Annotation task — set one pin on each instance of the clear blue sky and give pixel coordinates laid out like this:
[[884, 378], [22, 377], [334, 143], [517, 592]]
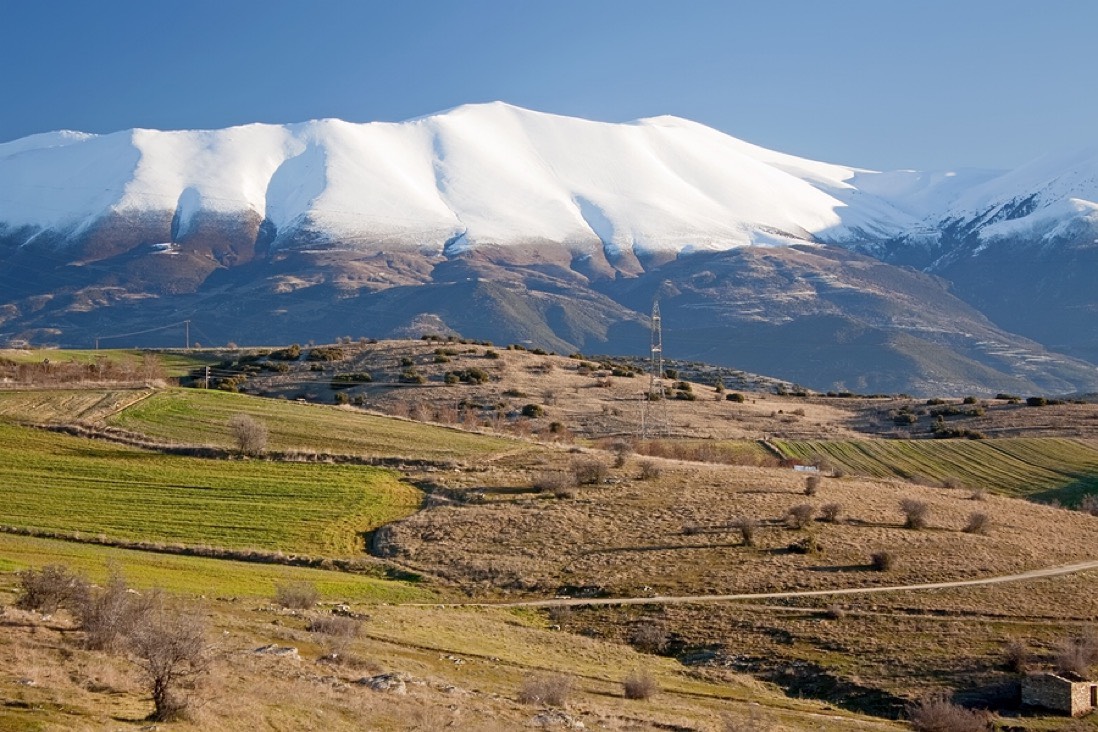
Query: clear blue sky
[[875, 83]]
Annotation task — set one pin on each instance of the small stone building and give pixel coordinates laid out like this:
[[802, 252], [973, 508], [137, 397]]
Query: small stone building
[[1049, 691]]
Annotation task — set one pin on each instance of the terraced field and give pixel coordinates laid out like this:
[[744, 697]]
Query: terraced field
[[199, 416], [42, 406], [197, 575], [1045, 468], [60, 483]]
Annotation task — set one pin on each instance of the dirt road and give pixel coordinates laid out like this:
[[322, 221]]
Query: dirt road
[[697, 599]]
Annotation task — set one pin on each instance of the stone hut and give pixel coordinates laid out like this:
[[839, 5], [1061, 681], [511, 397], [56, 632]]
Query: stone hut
[[1049, 691]]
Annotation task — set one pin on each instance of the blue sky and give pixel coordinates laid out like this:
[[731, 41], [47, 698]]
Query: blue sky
[[882, 84]]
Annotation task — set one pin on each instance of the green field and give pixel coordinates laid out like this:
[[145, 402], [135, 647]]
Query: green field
[[176, 363], [1045, 468], [61, 483], [197, 575], [197, 416]]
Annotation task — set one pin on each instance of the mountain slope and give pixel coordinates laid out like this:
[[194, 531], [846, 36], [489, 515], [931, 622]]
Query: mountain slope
[[513, 225]]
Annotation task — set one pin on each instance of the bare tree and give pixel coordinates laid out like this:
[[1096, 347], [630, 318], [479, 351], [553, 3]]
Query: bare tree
[[916, 513], [250, 434], [169, 644]]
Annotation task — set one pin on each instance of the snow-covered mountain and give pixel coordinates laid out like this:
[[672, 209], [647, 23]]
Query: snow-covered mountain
[[89, 223]]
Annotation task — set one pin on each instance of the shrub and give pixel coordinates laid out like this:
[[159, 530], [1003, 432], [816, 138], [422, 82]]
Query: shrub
[[1089, 504], [557, 482], [735, 397], [490, 354], [1036, 401], [747, 527], [978, 523], [978, 495], [830, 512], [882, 561], [969, 400], [649, 470], [109, 615], [589, 471], [250, 434], [916, 513], [533, 411], [805, 545], [621, 450], [335, 625], [936, 713], [811, 485], [1076, 656], [639, 685], [799, 516], [51, 588], [835, 612], [1017, 656], [296, 595], [649, 636], [169, 644], [549, 689]]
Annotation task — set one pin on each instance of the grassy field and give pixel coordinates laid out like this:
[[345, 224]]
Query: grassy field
[[1048, 468], [199, 416], [198, 575], [62, 483], [176, 363]]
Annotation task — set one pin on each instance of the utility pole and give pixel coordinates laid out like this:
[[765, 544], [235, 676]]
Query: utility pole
[[207, 377], [654, 411], [187, 330]]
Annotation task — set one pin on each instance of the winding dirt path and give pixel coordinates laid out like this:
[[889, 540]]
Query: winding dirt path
[[700, 599]]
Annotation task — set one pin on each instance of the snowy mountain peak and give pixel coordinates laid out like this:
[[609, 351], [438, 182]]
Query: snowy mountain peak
[[495, 173]]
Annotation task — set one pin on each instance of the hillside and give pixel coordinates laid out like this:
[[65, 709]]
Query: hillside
[[499, 223]]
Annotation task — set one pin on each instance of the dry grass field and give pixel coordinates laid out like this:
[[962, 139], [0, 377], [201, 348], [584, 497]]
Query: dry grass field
[[537, 485]]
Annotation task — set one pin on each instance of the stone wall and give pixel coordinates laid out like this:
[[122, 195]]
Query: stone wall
[[1058, 694]]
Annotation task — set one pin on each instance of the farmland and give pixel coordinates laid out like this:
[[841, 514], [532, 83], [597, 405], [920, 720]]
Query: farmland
[[67, 484], [199, 416], [1047, 468]]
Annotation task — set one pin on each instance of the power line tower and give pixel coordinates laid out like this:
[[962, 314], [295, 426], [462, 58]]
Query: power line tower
[[653, 419]]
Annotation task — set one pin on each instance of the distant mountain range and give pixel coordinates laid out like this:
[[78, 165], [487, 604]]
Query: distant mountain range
[[503, 223]]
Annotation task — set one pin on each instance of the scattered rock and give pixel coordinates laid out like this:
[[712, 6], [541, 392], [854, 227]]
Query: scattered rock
[[27, 682], [275, 650], [456, 660], [557, 718], [388, 683]]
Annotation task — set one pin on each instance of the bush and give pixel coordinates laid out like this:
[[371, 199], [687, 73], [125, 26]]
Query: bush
[[649, 637], [549, 689], [811, 485], [557, 482], [621, 450], [735, 397], [1017, 656], [1089, 504], [589, 471], [835, 612], [1076, 656], [490, 354], [649, 470], [109, 615], [335, 625], [747, 527], [936, 713], [169, 644], [978, 495], [296, 595], [805, 545], [639, 685], [882, 561], [830, 512], [916, 513], [755, 720], [250, 434], [51, 588], [978, 523], [800, 516], [533, 411], [1036, 401]]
